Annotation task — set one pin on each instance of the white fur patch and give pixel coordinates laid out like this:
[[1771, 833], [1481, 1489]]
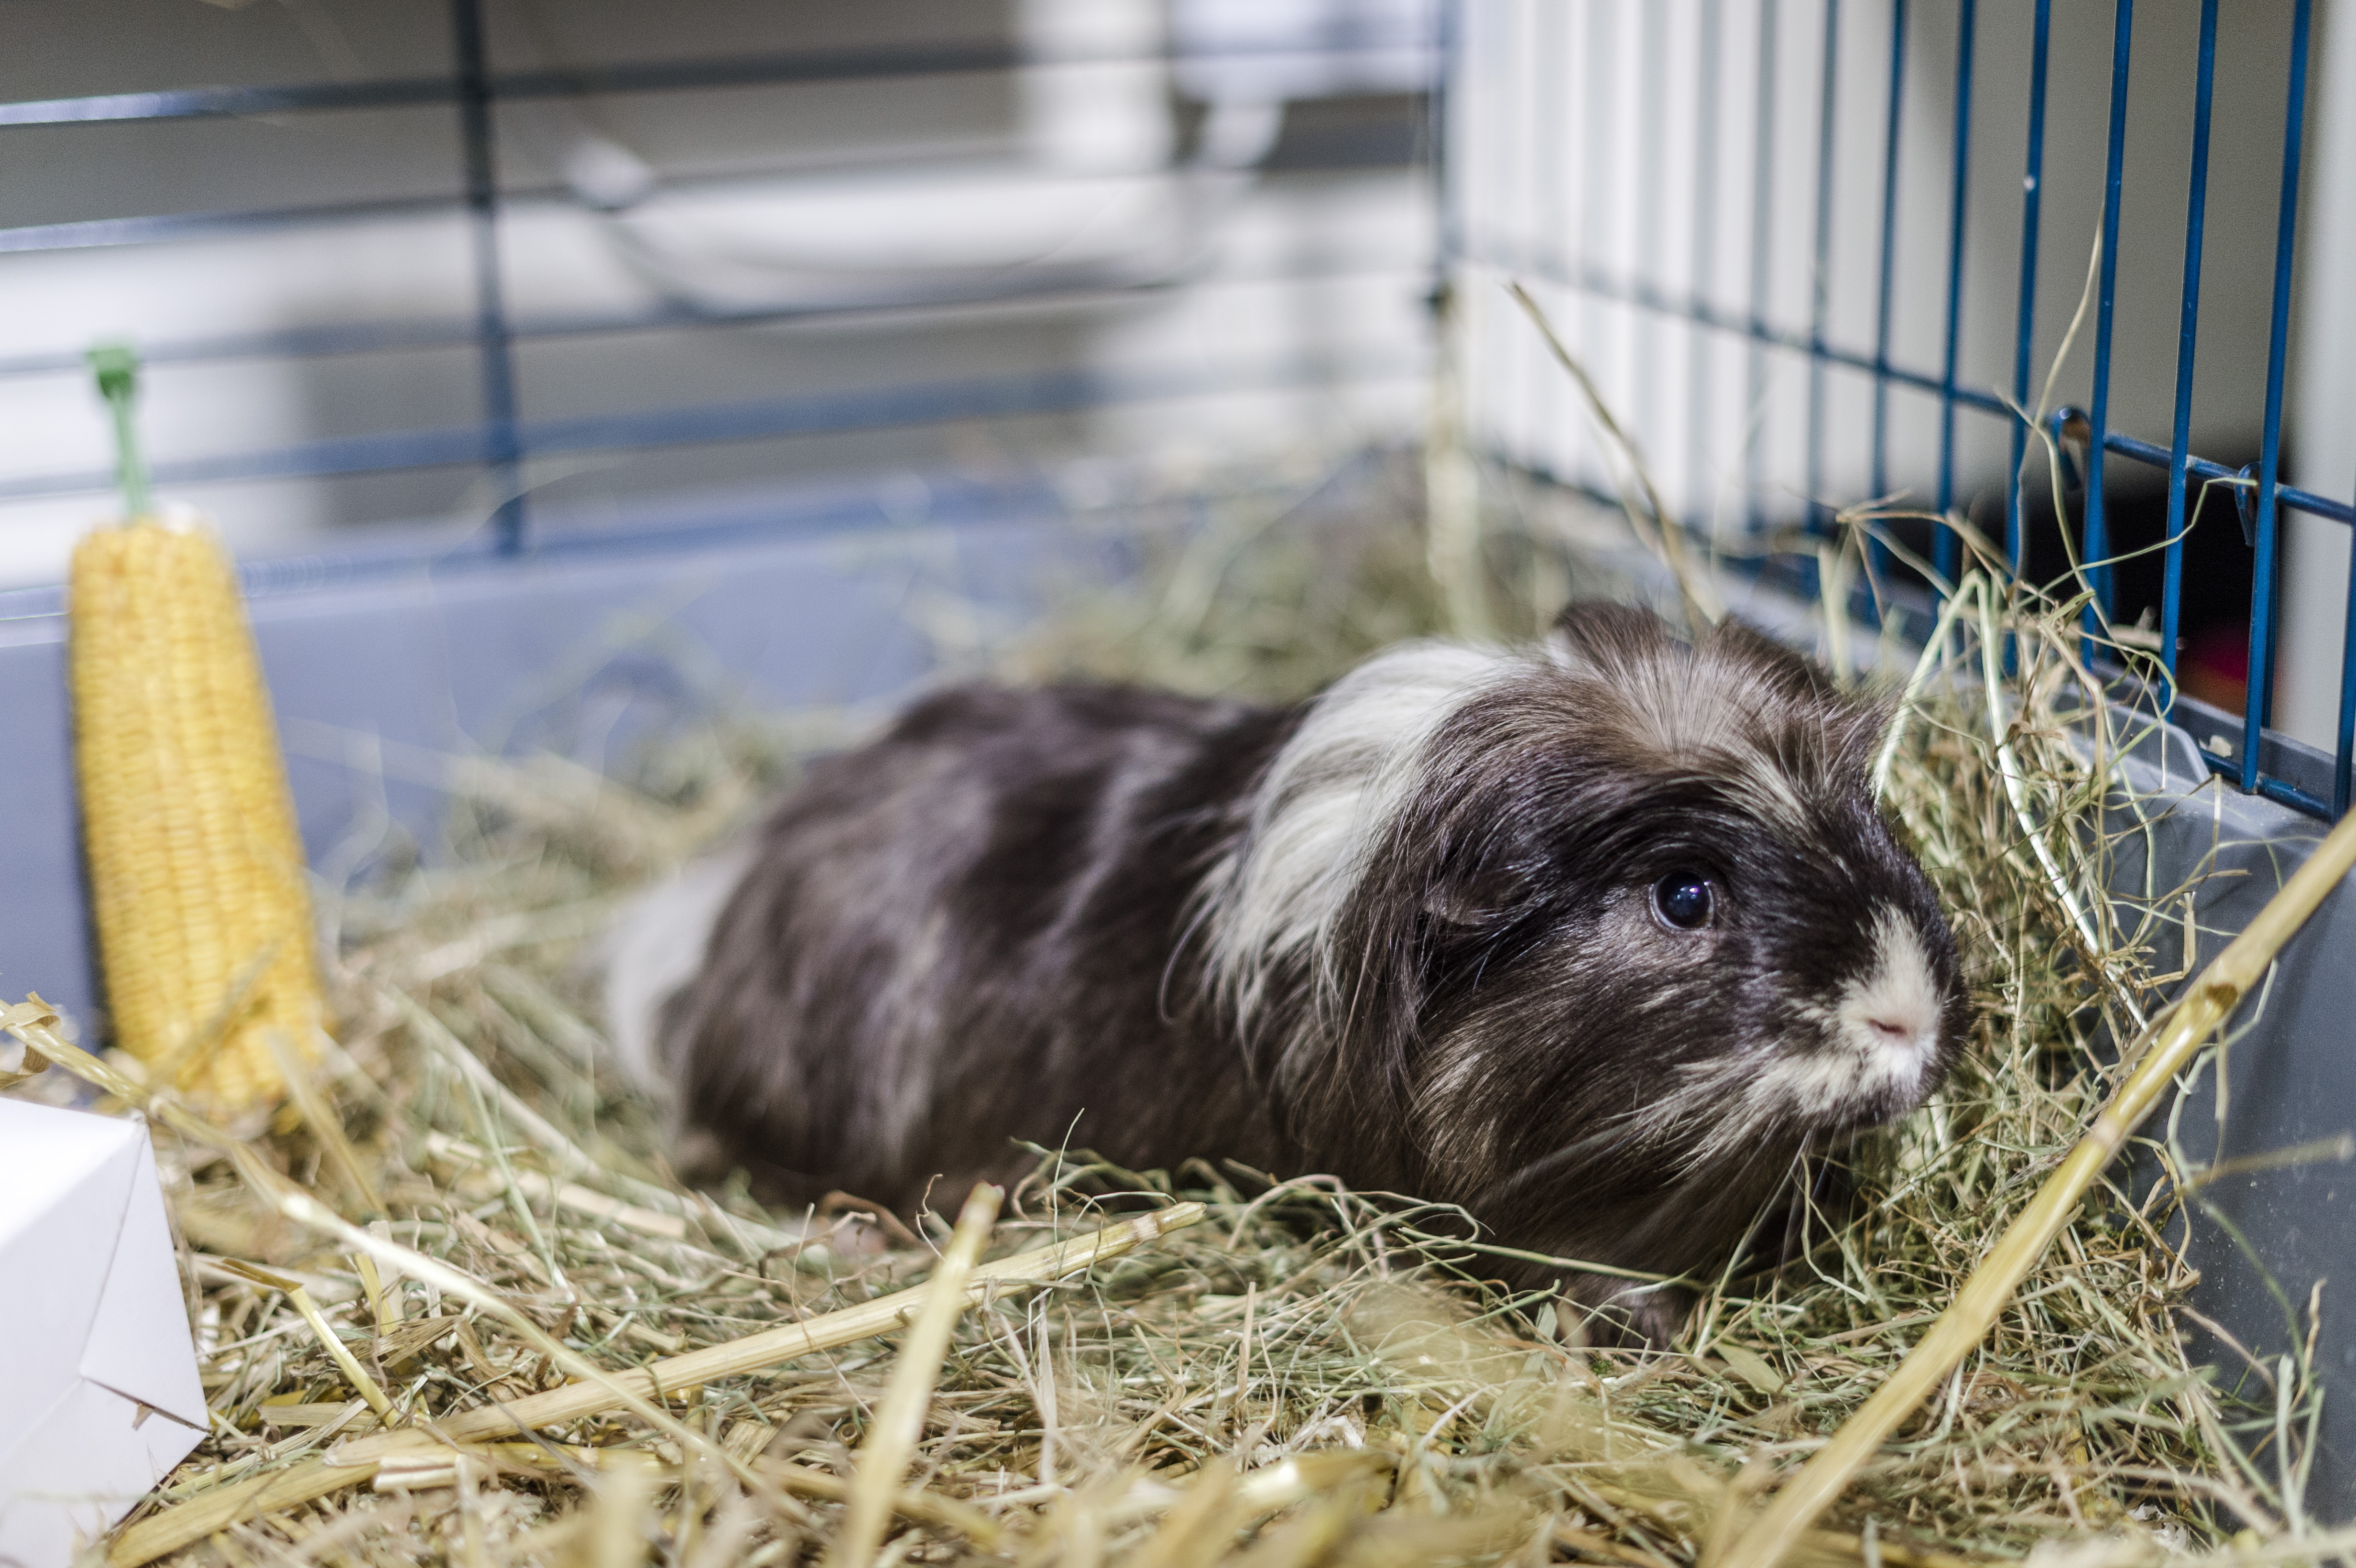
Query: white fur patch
[[654, 949], [1327, 798], [1884, 1034], [1892, 1015]]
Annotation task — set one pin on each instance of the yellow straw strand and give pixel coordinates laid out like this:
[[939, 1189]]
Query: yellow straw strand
[[899, 1421]]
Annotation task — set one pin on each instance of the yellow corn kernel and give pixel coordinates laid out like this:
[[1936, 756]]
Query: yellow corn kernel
[[196, 868]]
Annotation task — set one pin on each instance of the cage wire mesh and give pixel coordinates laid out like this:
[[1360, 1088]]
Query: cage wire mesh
[[1742, 231]]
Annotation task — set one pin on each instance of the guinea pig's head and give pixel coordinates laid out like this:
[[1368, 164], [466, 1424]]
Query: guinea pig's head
[[1613, 923]]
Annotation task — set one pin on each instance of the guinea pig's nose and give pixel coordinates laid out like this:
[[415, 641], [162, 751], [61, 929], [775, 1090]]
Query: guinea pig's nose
[[1893, 1031]]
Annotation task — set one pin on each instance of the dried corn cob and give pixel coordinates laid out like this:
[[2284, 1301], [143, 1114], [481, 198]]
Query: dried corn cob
[[196, 868]]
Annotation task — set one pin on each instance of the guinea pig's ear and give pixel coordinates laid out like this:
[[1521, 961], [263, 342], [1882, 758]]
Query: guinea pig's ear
[[1598, 635], [1858, 735], [1473, 894]]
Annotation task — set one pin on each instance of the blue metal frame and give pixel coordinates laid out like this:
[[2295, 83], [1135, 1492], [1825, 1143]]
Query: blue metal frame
[[2032, 202], [1058, 391], [2097, 527], [2087, 438], [2262, 600], [2187, 345], [1947, 549], [501, 450]]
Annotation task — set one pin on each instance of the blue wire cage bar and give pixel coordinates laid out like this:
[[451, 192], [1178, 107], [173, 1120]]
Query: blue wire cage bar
[[2088, 437], [2032, 208]]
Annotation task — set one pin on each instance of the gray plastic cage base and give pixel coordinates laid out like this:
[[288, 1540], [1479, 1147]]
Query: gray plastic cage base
[[2264, 1236], [375, 682]]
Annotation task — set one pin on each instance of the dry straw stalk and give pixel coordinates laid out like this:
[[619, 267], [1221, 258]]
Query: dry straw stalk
[[901, 1420], [354, 1463]]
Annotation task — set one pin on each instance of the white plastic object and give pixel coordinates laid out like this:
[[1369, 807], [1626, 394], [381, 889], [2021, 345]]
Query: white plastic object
[[98, 1396]]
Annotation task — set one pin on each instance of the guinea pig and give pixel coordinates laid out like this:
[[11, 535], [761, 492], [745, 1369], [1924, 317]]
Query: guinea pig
[[1602, 940]]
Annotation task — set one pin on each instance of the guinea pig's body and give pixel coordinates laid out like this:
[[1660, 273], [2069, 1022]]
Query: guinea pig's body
[[1597, 940]]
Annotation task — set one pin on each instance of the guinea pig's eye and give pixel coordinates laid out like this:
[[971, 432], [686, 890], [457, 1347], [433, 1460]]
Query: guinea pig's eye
[[1684, 901]]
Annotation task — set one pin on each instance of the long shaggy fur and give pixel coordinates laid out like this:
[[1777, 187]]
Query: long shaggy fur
[[1406, 933]]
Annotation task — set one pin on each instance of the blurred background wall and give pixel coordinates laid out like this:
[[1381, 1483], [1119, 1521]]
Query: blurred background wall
[[1074, 242], [1213, 210]]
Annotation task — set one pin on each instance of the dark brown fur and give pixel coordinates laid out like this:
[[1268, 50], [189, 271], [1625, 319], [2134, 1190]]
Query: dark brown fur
[[970, 917], [1039, 915]]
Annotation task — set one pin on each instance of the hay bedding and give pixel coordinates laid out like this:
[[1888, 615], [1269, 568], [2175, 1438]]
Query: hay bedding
[[1310, 1375]]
